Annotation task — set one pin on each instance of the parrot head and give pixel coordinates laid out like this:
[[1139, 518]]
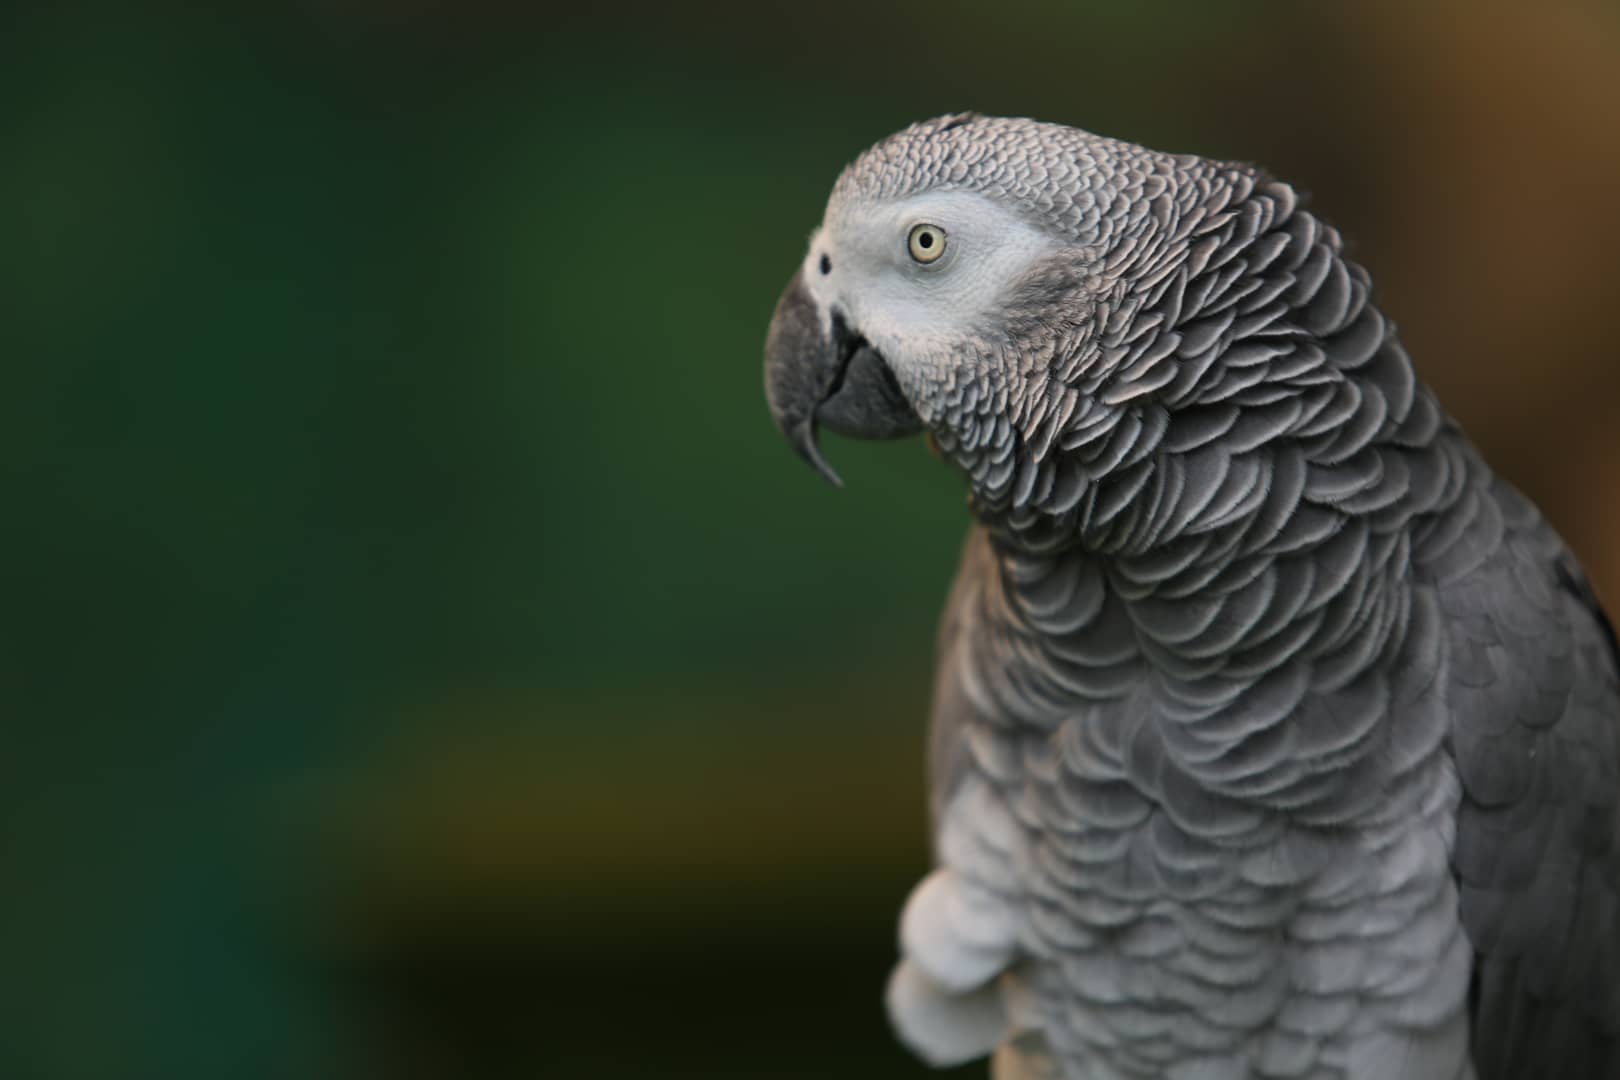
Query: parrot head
[[897, 311], [994, 282]]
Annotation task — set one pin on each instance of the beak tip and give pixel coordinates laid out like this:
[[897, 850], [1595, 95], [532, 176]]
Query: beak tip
[[809, 448]]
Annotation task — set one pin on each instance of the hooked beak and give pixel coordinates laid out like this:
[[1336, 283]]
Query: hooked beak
[[834, 379]]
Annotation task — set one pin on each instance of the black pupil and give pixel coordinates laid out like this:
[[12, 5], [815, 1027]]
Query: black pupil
[[826, 265], [925, 240]]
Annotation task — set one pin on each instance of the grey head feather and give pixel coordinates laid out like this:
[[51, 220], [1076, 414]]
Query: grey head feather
[[1186, 293]]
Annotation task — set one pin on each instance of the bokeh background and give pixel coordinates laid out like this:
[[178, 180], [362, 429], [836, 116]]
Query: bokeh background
[[421, 657]]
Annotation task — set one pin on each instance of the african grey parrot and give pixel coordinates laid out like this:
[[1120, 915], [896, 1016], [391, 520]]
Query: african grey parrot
[[1273, 734]]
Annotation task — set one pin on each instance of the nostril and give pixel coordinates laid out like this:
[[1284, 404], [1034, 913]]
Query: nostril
[[826, 265]]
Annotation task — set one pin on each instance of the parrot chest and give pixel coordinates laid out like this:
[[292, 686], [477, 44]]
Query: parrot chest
[[1175, 885], [1141, 944], [1209, 862]]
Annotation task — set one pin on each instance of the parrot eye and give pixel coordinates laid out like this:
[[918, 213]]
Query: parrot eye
[[926, 242]]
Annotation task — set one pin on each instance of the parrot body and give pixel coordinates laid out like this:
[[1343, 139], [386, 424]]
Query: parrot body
[[1274, 736]]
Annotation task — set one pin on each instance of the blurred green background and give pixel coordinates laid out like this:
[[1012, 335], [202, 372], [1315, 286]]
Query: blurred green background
[[423, 659]]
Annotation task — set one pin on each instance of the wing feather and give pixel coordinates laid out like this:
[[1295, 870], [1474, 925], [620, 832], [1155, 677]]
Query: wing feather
[[1534, 696]]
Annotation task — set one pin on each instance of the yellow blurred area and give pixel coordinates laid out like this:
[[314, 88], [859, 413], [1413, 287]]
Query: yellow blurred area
[[793, 794]]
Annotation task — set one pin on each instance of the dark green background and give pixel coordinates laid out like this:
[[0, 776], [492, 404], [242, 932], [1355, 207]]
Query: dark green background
[[423, 659]]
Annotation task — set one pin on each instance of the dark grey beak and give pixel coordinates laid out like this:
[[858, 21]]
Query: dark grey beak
[[831, 379]]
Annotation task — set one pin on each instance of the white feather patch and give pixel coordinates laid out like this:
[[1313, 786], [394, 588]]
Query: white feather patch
[[960, 934], [941, 1027]]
